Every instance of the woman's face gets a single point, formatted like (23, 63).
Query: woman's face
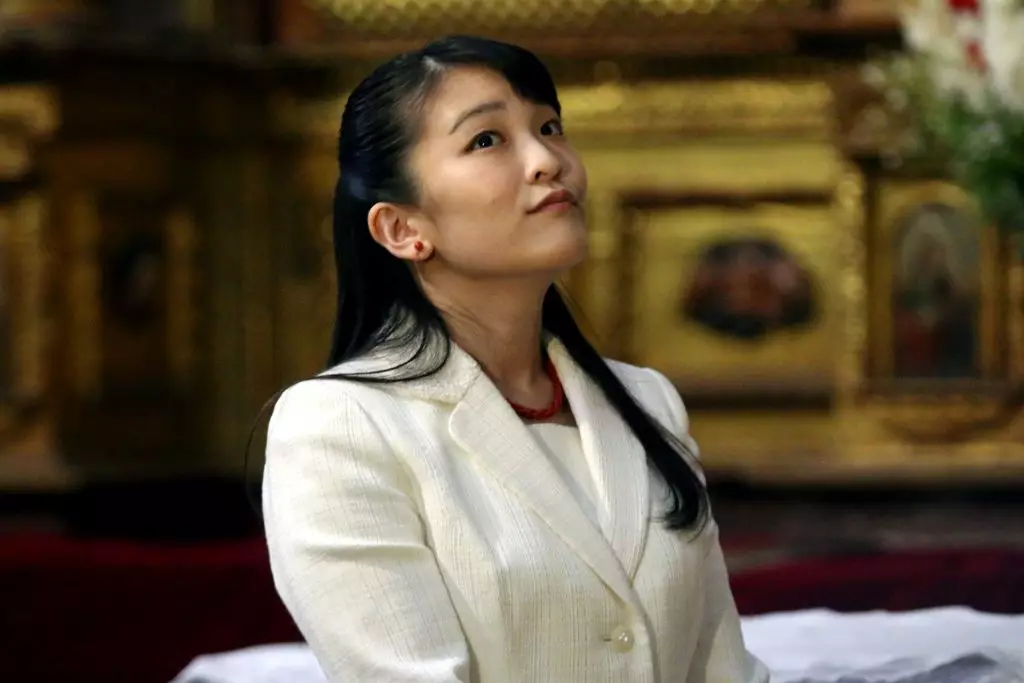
(486, 164)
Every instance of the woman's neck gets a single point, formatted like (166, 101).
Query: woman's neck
(502, 329)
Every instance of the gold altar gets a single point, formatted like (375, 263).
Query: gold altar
(165, 251)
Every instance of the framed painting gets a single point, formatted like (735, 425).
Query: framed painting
(731, 294)
(936, 287)
(928, 380)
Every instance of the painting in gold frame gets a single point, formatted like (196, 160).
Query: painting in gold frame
(935, 287)
(666, 242)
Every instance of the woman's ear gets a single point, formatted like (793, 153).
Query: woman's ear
(392, 228)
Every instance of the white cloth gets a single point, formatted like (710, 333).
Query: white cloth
(811, 646)
(419, 534)
(283, 663)
(563, 446)
(821, 645)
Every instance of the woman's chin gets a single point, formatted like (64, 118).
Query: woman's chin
(568, 253)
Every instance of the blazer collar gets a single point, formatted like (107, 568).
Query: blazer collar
(616, 459)
(447, 385)
(484, 424)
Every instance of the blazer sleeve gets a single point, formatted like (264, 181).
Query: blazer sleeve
(347, 545)
(721, 655)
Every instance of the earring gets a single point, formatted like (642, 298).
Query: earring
(418, 247)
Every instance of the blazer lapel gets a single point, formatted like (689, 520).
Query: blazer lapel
(616, 459)
(485, 425)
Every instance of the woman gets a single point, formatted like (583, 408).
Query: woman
(472, 493)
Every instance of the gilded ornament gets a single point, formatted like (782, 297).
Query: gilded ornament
(849, 203)
(751, 106)
(804, 107)
(401, 18)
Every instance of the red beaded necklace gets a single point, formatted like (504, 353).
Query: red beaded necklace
(557, 400)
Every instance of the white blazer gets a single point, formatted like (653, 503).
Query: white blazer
(419, 534)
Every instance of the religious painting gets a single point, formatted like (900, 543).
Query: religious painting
(733, 300)
(747, 288)
(936, 294)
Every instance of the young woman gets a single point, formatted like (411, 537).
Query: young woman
(471, 493)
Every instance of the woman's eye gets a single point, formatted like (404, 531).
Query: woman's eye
(552, 127)
(485, 140)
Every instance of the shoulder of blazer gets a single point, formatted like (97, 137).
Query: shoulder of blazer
(633, 376)
(656, 393)
(446, 382)
(305, 404)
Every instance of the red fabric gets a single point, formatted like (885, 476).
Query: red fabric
(79, 611)
(987, 580)
(969, 6)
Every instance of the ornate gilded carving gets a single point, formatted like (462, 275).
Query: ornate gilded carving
(23, 258)
(801, 107)
(31, 109)
(31, 256)
(1015, 312)
(31, 13)
(27, 115)
(944, 416)
(393, 18)
(83, 296)
(849, 211)
(749, 106)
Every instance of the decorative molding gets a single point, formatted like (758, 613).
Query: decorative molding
(396, 18)
(849, 208)
(749, 106)
(32, 108)
(83, 297)
(23, 258)
(1015, 311)
(28, 114)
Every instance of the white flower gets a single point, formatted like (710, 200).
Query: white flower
(929, 27)
(1003, 44)
(941, 38)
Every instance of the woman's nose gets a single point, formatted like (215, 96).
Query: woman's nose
(544, 163)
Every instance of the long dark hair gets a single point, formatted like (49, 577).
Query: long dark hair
(378, 296)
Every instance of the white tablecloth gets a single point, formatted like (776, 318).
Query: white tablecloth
(946, 645)
(821, 645)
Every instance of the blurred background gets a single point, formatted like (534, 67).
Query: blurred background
(844, 319)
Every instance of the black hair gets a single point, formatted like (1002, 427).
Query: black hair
(379, 301)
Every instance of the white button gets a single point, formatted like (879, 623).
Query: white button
(622, 639)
